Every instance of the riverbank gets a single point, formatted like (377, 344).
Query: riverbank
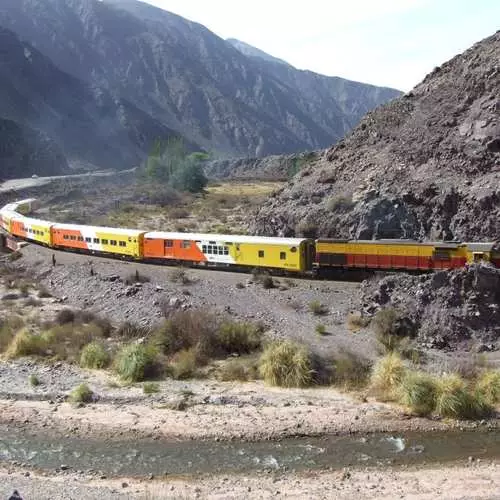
(466, 480)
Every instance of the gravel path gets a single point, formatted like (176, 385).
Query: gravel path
(476, 480)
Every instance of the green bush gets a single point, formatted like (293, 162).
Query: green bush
(418, 391)
(287, 364)
(33, 380)
(151, 387)
(136, 362)
(184, 364)
(317, 308)
(488, 385)
(81, 394)
(240, 338)
(387, 375)
(321, 329)
(94, 356)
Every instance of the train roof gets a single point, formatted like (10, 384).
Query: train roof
(31, 220)
(233, 238)
(101, 229)
(439, 244)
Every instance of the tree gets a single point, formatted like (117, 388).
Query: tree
(169, 163)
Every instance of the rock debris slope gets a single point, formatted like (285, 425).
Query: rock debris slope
(426, 165)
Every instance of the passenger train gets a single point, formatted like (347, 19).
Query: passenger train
(294, 255)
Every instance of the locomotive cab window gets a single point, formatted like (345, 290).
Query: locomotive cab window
(186, 244)
(261, 254)
(282, 255)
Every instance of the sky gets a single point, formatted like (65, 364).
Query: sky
(393, 43)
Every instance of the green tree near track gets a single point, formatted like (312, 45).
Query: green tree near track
(169, 163)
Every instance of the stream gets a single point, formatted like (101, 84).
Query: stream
(145, 457)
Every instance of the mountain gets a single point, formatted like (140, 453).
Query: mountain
(87, 123)
(189, 79)
(251, 51)
(426, 165)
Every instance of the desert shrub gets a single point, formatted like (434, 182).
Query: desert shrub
(94, 356)
(321, 329)
(350, 371)
(136, 362)
(488, 384)
(178, 213)
(33, 380)
(25, 343)
(8, 329)
(81, 394)
(340, 203)
(128, 330)
(418, 392)
(455, 400)
(287, 364)
(179, 275)
(151, 387)
(356, 321)
(240, 285)
(241, 369)
(184, 364)
(65, 316)
(317, 308)
(387, 374)
(390, 328)
(267, 282)
(241, 338)
(186, 329)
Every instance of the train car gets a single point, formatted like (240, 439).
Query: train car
(32, 229)
(291, 254)
(389, 254)
(6, 217)
(26, 206)
(95, 239)
(489, 252)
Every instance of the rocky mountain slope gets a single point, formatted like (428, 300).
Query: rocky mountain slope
(24, 151)
(83, 122)
(251, 51)
(189, 79)
(426, 165)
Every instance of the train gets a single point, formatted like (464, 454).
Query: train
(276, 254)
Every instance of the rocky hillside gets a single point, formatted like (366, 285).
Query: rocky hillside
(85, 123)
(24, 151)
(426, 165)
(189, 79)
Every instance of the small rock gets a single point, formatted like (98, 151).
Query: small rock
(124, 485)
(64, 467)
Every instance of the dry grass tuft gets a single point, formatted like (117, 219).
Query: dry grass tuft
(287, 364)
(94, 356)
(356, 321)
(136, 362)
(418, 391)
(241, 369)
(488, 384)
(81, 394)
(387, 375)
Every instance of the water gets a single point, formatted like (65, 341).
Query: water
(145, 457)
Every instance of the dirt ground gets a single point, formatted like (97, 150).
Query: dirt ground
(476, 480)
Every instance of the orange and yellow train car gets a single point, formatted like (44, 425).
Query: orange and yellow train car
(389, 254)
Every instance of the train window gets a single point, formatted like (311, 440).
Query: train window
(123, 243)
(293, 249)
(204, 248)
(72, 237)
(112, 242)
(221, 250)
(261, 254)
(41, 233)
(209, 249)
(80, 238)
(282, 255)
(65, 236)
(186, 244)
(169, 243)
(96, 240)
(88, 240)
(105, 242)
(226, 251)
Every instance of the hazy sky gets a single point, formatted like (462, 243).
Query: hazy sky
(384, 42)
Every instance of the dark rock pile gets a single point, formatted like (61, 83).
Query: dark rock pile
(449, 308)
(424, 166)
